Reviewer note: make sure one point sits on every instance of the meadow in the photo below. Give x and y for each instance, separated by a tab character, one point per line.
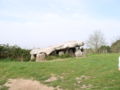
93	72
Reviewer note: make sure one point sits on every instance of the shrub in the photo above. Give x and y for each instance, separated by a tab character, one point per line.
115	47
104	49
14	52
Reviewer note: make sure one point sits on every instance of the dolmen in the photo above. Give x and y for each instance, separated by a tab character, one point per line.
72	48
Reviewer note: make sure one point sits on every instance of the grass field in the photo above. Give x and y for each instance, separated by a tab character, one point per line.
94	72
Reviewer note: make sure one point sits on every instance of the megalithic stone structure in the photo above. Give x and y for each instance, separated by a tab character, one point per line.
73	48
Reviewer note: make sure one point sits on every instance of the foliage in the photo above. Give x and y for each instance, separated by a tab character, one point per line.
115	47
104	49
96	40
14	52
99	71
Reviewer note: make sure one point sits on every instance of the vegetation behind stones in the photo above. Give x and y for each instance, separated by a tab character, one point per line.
14	53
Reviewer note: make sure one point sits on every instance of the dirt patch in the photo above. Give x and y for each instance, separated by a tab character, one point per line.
81	79
23	84
52	78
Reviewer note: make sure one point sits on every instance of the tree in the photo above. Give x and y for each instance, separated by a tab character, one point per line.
96	40
104	49
115	47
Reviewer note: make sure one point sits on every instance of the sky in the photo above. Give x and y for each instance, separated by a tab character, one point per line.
42	23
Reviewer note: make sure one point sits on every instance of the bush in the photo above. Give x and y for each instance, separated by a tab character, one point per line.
115	47
14	52
104	49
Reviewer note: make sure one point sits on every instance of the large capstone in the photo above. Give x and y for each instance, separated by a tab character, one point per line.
40	57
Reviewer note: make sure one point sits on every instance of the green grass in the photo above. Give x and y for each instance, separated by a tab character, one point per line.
101	69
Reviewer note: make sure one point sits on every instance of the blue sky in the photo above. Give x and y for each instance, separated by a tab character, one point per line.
40	23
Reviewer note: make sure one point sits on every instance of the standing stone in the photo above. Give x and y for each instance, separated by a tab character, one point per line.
32	57
40	57
78	53
61	53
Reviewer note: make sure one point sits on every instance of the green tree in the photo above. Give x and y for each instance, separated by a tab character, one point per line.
115	47
104	49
